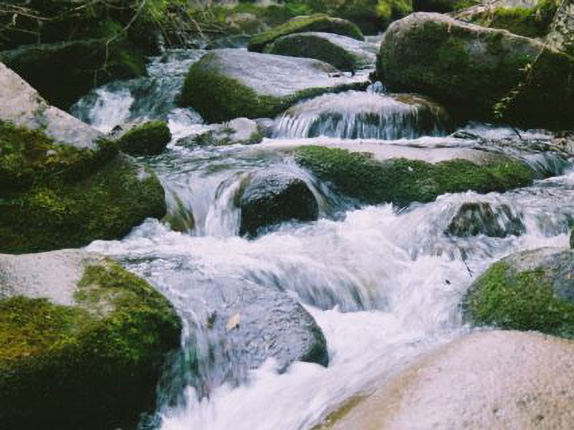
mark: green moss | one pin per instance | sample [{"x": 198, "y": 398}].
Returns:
[
  {"x": 150, "y": 138},
  {"x": 402, "y": 181},
  {"x": 519, "y": 301},
  {"x": 29, "y": 157},
  {"x": 318, "y": 22},
  {"x": 56, "y": 214},
  {"x": 100, "y": 358}
]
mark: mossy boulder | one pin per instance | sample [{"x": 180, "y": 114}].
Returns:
[
  {"x": 479, "y": 72},
  {"x": 82, "y": 342},
  {"x": 314, "y": 23},
  {"x": 150, "y": 138},
  {"x": 229, "y": 83},
  {"x": 402, "y": 181},
  {"x": 531, "y": 290},
  {"x": 269, "y": 199},
  {"x": 54, "y": 196},
  {"x": 496, "y": 379},
  {"x": 482, "y": 218},
  {"x": 63, "y": 72},
  {"x": 343, "y": 52},
  {"x": 561, "y": 36}
]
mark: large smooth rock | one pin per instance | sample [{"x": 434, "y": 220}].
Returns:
[
  {"x": 319, "y": 22},
  {"x": 402, "y": 175},
  {"x": 506, "y": 380},
  {"x": 20, "y": 104},
  {"x": 82, "y": 342},
  {"x": 272, "y": 198},
  {"x": 475, "y": 70},
  {"x": 531, "y": 290},
  {"x": 63, "y": 72},
  {"x": 343, "y": 52},
  {"x": 228, "y": 84}
]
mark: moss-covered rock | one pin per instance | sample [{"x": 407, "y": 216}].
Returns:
[
  {"x": 442, "y": 6},
  {"x": 529, "y": 20},
  {"x": 229, "y": 83},
  {"x": 532, "y": 290},
  {"x": 479, "y": 71},
  {"x": 55, "y": 196},
  {"x": 343, "y": 52},
  {"x": 269, "y": 199},
  {"x": 82, "y": 342},
  {"x": 149, "y": 138},
  {"x": 314, "y": 23},
  {"x": 402, "y": 181},
  {"x": 64, "y": 71},
  {"x": 561, "y": 36}
]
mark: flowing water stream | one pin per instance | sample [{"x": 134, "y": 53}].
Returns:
[{"x": 383, "y": 284}]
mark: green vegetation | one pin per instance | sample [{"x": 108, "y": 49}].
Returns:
[
  {"x": 149, "y": 138},
  {"x": 402, "y": 181},
  {"x": 519, "y": 300},
  {"x": 318, "y": 22},
  {"x": 100, "y": 358},
  {"x": 54, "y": 196}
]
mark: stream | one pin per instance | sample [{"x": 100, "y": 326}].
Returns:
[{"x": 384, "y": 284}]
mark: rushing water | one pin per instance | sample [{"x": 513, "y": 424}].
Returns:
[{"x": 383, "y": 284}]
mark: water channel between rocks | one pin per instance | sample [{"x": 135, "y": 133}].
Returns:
[{"x": 383, "y": 284}]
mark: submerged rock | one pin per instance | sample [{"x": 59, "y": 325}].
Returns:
[
  {"x": 531, "y": 290},
  {"x": 497, "y": 379},
  {"x": 227, "y": 84},
  {"x": 343, "y": 52},
  {"x": 473, "y": 219},
  {"x": 61, "y": 184},
  {"x": 365, "y": 115},
  {"x": 63, "y": 72},
  {"x": 272, "y": 198},
  {"x": 399, "y": 180},
  {"x": 150, "y": 138},
  {"x": 476, "y": 70},
  {"x": 312, "y": 23},
  {"x": 78, "y": 330},
  {"x": 240, "y": 131}
]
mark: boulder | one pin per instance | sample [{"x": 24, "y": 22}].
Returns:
[
  {"x": 300, "y": 24},
  {"x": 63, "y": 72},
  {"x": 561, "y": 36},
  {"x": 245, "y": 23},
  {"x": 61, "y": 184},
  {"x": 529, "y": 18},
  {"x": 476, "y": 218},
  {"x": 227, "y": 84},
  {"x": 500, "y": 379},
  {"x": 343, "y": 52},
  {"x": 273, "y": 198},
  {"x": 82, "y": 342},
  {"x": 531, "y": 290},
  {"x": 479, "y": 71},
  {"x": 401, "y": 175},
  {"x": 149, "y": 138},
  {"x": 240, "y": 131}
]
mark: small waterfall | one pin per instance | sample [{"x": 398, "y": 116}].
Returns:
[
  {"x": 149, "y": 97},
  {"x": 364, "y": 115}
]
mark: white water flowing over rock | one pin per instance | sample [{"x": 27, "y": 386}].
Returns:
[
  {"x": 360, "y": 115},
  {"x": 383, "y": 285}
]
